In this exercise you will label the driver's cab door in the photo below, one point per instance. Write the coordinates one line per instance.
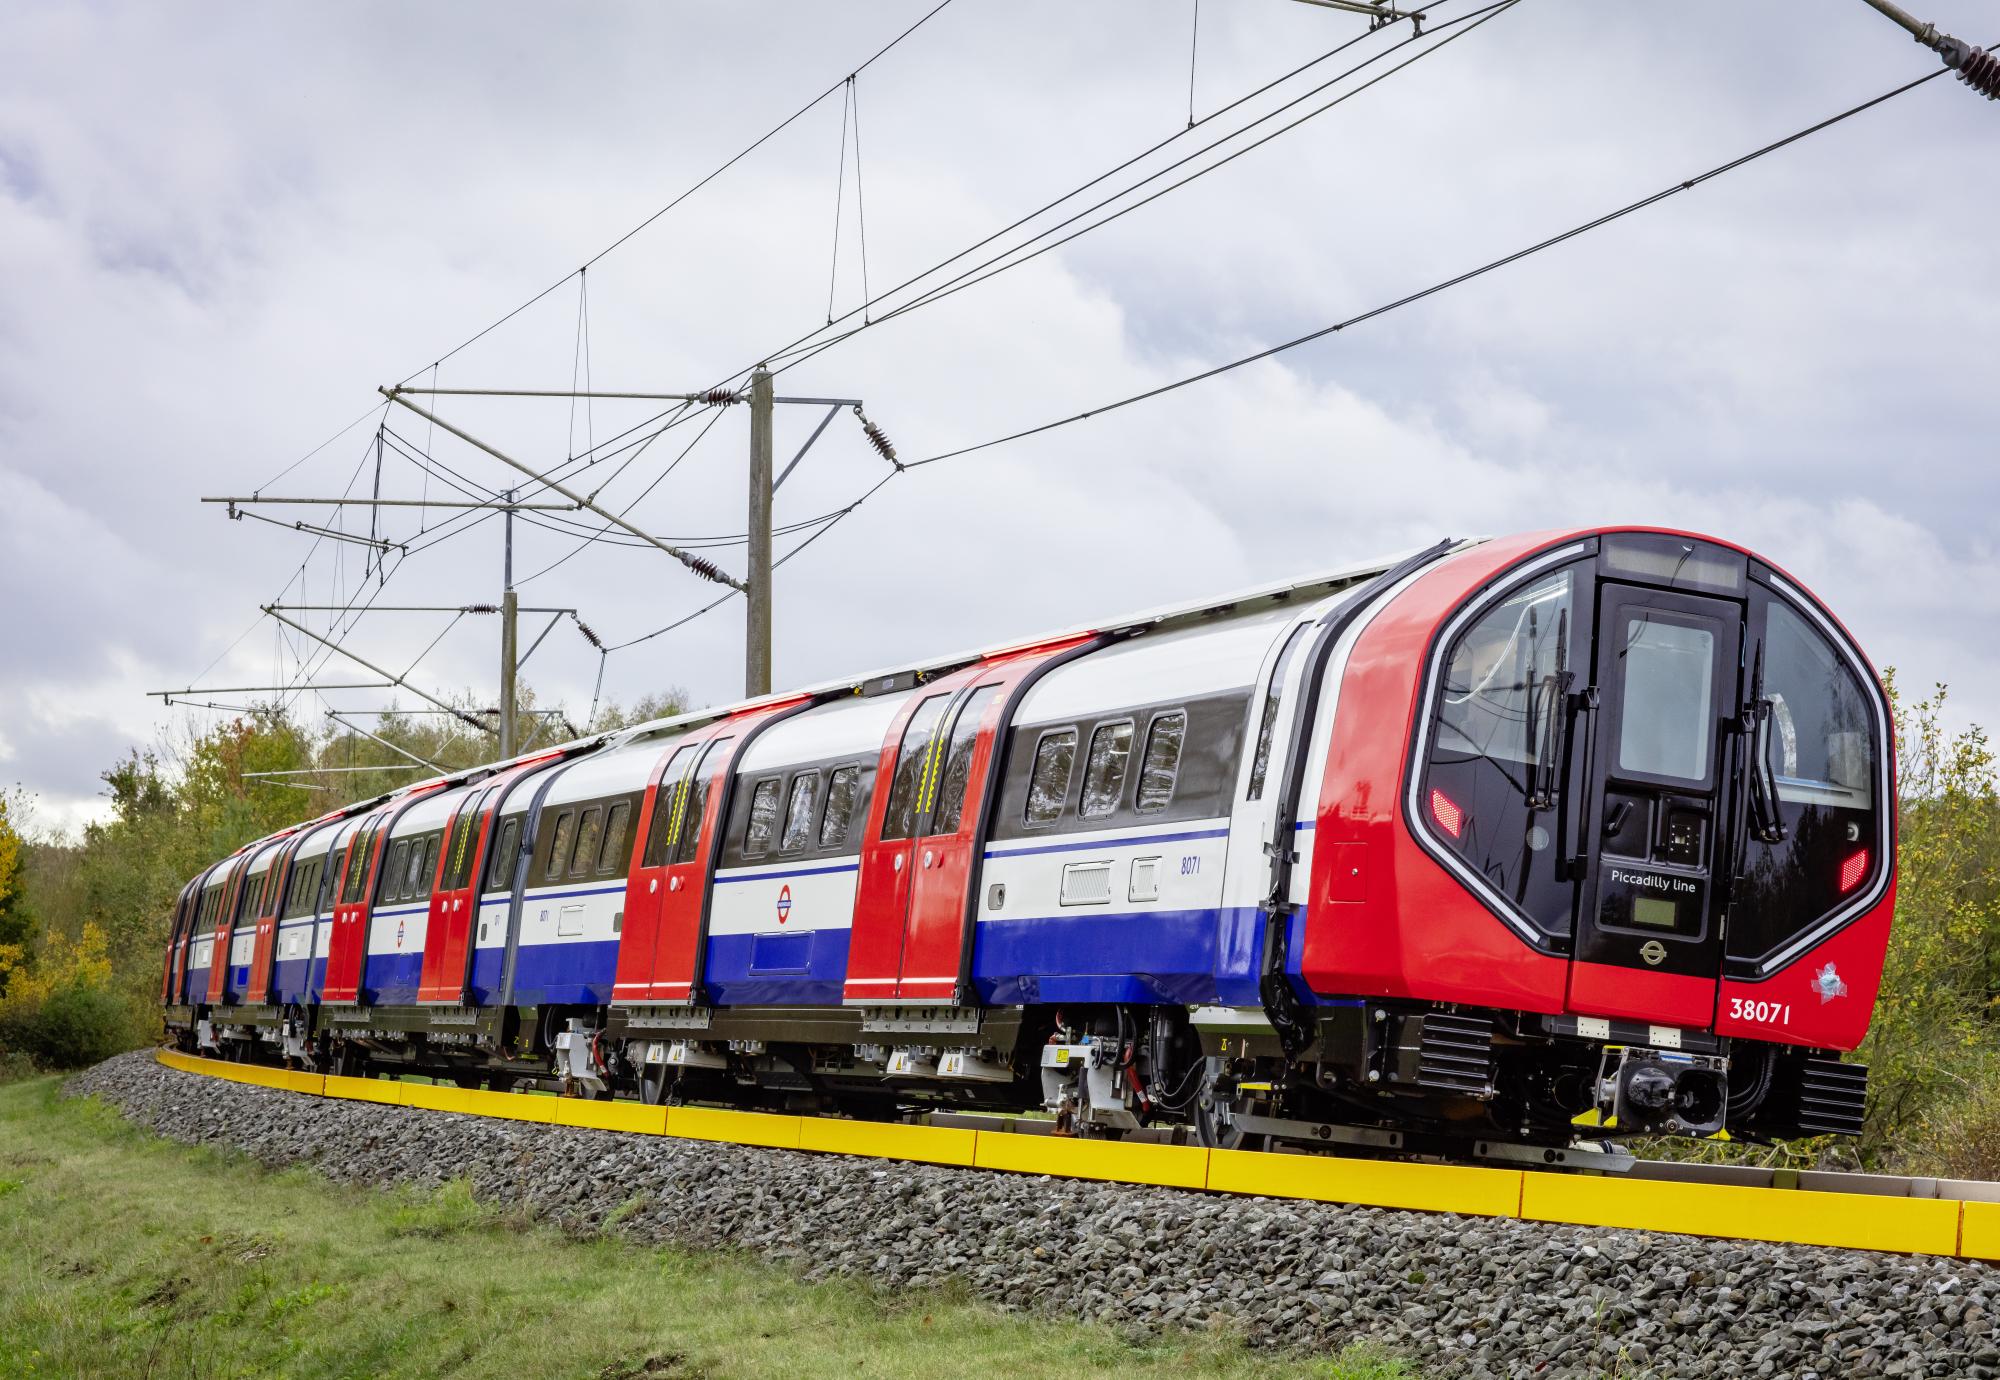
(1657, 795)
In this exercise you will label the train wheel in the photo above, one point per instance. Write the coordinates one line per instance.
(652, 1084)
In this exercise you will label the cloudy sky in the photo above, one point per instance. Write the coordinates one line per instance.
(221, 226)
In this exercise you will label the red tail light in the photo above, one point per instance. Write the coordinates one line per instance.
(1853, 870)
(1446, 812)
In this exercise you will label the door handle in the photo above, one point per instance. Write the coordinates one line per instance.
(1576, 804)
(652, 886)
(929, 857)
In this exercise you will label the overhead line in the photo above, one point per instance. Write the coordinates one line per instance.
(1448, 283)
(729, 163)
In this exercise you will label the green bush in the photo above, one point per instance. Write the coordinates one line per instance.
(71, 1027)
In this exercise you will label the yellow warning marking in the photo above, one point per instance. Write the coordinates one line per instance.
(931, 1144)
(634, 1117)
(1979, 1231)
(1176, 1166)
(1925, 1226)
(1374, 1183)
(741, 1128)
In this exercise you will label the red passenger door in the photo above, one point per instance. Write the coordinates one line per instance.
(662, 815)
(914, 909)
(176, 947)
(270, 900)
(882, 888)
(218, 959)
(454, 905)
(694, 816)
(347, 947)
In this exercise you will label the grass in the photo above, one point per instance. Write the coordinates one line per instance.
(125, 1255)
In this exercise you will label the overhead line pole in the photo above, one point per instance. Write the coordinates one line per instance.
(510, 609)
(757, 579)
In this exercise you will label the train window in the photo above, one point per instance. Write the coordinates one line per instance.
(1822, 741)
(1497, 705)
(841, 793)
(559, 847)
(1819, 745)
(611, 856)
(426, 870)
(1274, 694)
(1104, 769)
(1048, 784)
(1163, 760)
(357, 865)
(412, 871)
(588, 834)
(1666, 719)
(668, 798)
(701, 784)
(900, 819)
(958, 761)
(763, 818)
(464, 844)
(799, 813)
(397, 885)
(500, 867)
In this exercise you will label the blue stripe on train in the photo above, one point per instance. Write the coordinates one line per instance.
(1181, 956)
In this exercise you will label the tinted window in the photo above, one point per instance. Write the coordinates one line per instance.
(1104, 769)
(565, 836)
(357, 866)
(1268, 720)
(1049, 784)
(841, 793)
(464, 844)
(912, 763)
(958, 761)
(304, 889)
(799, 812)
(396, 887)
(1667, 712)
(500, 867)
(588, 834)
(700, 787)
(1820, 736)
(412, 870)
(611, 858)
(669, 800)
(763, 818)
(427, 871)
(1497, 702)
(1163, 761)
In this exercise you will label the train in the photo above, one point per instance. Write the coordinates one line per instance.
(1449, 854)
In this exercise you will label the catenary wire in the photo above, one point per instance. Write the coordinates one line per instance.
(1445, 284)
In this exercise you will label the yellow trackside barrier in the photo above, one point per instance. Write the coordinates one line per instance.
(930, 1144)
(740, 1128)
(1865, 1221)
(635, 1117)
(1175, 1166)
(1979, 1231)
(1464, 1189)
(368, 1090)
(1925, 1226)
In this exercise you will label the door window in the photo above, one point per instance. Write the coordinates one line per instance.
(1666, 715)
(1260, 764)
(911, 766)
(700, 784)
(669, 800)
(958, 761)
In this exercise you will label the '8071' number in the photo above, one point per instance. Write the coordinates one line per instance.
(1760, 1012)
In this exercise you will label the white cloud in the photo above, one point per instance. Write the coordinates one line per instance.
(219, 234)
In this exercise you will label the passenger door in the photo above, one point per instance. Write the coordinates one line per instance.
(1648, 941)
(454, 905)
(218, 962)
(663, 812)
(347, 946)
(270, 902)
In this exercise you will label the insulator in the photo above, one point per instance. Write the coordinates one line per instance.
(719, 397)
(877, 439)
(1980, 70)
(588, 635)
(482, 608)
(706, 569)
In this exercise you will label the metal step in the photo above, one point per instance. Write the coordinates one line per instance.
(1456, 1053)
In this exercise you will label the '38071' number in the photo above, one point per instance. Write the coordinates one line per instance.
(1760, 1012)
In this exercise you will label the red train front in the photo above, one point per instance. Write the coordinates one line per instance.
(1628, 847)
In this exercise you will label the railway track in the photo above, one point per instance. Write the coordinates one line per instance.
(1920, 1216)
